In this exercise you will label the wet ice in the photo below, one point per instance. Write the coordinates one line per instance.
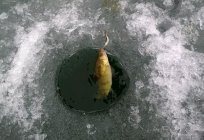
(172, 95)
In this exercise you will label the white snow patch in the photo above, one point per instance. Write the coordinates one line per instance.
(38, 136)
(91, 129)
(3, 16)
(70, 19)
(27, 60)
(142, 22)
(20, 8)
(199, 18)
(24, 66)
(134, 118)
(168, 3)
(176, 72)
(139, 84)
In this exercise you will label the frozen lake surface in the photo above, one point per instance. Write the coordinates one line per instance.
(160, 43)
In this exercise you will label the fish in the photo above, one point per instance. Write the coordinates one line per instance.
(103, 72)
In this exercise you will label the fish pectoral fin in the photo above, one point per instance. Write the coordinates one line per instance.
(94, 77)
(99, 71)
(99, 97)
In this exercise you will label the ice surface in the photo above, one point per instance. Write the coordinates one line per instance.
(165, 99)
(20, 8)
(176, 71)
(22, 73)
(168, 3)
(19, 82)
(3, 16)
(90, 129)
(134, 118)
(199, 18)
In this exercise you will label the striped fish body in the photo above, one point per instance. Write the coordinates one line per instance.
(103, 74)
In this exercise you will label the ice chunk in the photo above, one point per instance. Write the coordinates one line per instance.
(90, 129)
(3, 16)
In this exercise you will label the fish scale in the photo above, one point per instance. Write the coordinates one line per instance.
(103, 72)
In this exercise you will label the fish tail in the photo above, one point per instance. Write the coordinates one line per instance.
(107, 40)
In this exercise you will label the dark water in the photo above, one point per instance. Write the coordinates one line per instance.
(77, 86)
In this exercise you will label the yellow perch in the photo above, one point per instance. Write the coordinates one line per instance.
(103, 72)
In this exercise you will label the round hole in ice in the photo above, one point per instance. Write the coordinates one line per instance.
(77, 87)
